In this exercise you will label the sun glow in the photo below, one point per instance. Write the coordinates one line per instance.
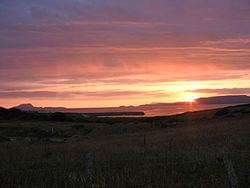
(190, 97)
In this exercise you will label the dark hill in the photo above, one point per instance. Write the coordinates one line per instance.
(234, 99)
(30, 107)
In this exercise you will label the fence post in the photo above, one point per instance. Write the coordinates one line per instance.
(144, 140)
(231, 175)
(89, 167)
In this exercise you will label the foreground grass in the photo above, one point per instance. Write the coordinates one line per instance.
(181, 155)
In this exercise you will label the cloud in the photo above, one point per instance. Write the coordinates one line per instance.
(229, 41)
(47, 23)
(223, 91)
(81, 94)
(19, 87)
(56, 45)
(93, 63)
(31, 94)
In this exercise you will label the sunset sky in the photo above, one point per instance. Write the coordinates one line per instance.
(95, 53)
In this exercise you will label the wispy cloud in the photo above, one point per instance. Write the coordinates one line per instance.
(223, 91)
(81, 94)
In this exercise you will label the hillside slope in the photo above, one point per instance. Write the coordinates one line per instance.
(173, 151)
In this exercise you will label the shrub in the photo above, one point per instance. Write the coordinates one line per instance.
(222, 112)
(58, 116)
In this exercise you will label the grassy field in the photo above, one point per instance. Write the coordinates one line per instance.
(174, 151)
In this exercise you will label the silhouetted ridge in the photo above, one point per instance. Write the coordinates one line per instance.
(25, 107)
(227, 100)
(30, 107)
(234, 99)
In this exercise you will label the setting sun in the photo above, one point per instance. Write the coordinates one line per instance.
(190, 98)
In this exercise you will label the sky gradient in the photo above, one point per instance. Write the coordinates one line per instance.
(95, 53)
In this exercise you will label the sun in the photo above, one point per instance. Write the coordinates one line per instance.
(190, 97)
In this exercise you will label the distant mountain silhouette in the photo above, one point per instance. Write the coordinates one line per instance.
(26, 107)
(30, 107)
(232, 99)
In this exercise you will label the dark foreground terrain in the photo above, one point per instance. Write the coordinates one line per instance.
(66, 150)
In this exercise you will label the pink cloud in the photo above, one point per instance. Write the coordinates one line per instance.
(114, 94)
(223, 91)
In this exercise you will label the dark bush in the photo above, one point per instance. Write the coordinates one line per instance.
(11, 113)
(78, 127)
(222, 112)
(3, 113)
(83, 129)
(4, 139)
(58, 116)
